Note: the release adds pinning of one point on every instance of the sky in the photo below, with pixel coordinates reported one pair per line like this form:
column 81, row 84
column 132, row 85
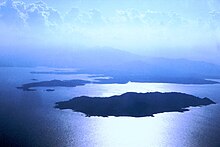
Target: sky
column 171, row 28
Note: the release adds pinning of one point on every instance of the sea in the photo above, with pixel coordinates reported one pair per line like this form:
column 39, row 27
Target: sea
column 29, row 119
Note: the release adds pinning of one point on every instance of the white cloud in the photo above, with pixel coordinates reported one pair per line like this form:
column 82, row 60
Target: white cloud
column 40, row 15
column 37, row 15
column 96, row 17
column 77, row 17
column 215, row 19
column 9, row 13
column 72, row 16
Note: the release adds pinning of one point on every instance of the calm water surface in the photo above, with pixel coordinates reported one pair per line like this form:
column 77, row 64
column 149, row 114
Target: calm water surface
column 29, row 119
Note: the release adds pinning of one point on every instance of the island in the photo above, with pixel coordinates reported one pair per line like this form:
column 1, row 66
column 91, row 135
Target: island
column 134, row 104
column 34, row 79
column 53, row 83
column 50, row 90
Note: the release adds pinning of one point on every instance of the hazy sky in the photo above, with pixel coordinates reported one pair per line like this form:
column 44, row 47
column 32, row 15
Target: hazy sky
column 172, row 28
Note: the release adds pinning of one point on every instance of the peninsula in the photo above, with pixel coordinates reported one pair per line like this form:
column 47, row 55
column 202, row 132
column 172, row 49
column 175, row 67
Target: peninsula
column 53, row 83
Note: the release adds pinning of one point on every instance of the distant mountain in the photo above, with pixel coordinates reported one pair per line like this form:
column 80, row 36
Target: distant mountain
column 67, row 57
column 121, row 65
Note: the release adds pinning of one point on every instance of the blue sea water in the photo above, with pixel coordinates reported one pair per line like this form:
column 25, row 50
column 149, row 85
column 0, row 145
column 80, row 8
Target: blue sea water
column 30, row 119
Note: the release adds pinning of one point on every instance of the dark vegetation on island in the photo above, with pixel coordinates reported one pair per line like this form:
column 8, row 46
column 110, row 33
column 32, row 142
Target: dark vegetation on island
column 53, row 83
column 133, row 104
